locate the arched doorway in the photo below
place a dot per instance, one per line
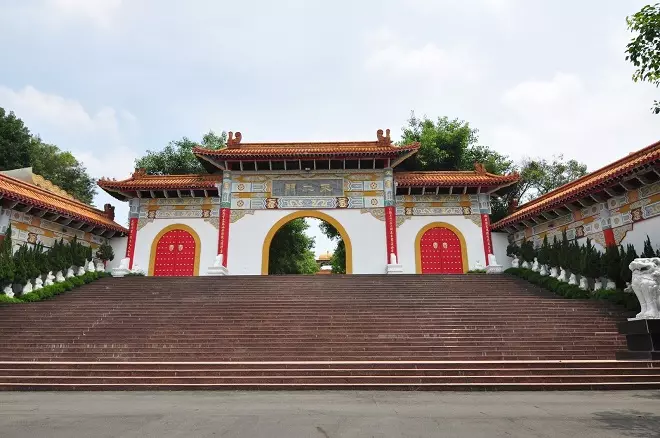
(265, 252)
(440, 249)
(175, 252)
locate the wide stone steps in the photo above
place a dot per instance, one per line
(376, 331)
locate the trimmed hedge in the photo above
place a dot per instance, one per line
(618, 297)
(58, 288)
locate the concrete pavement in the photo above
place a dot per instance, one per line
(330, 414)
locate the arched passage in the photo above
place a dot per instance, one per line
(265, 252)
(440, 249)
(175, 252)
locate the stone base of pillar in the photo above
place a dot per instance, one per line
(393, 268)
(494, 269)
(217, 270)
(122, 270)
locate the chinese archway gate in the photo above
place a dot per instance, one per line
(441, 253)
(175, 254)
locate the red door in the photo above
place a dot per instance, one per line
(175, 255)
(441, 253)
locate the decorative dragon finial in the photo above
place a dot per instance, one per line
(480, 168)
(109, 211)
(383, 139)
(139, 173)
(234, 141)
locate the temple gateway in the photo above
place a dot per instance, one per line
(391, 221)
(404, 222)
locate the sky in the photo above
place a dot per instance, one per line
(109, 79)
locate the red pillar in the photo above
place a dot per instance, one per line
(609, 237)
(485, 231)
(390, 232)
(223, 235)
(130, 244)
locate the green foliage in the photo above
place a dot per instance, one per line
(565, 290)
(527, 251)
(291, 250)
(648, 252)
(338, 260)
(554, 253)
(627, 257)
(105, 252)
(643, 51)
(20, 149)
(7, 266)
(513, 250)
(590, 263)
(76, 281)
(540, 176)
(6, 299)
(544, 251)
(177, 157)
(611, 265)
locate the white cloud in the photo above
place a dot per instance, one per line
(595, 121)
(101, 12)
(99, 140)
(392, 57)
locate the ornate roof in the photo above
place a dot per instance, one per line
(27, 175)
(30, 194)
(588, 184)
(235, 150)
(139, 180)
(477, 178)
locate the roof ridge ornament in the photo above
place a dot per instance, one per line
(480, 168)
(383, 139)
(234, 142)
(139, 172)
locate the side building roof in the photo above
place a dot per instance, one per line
(586, 185)
(16, 190)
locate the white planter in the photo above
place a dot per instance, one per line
(8, 291)
(525, 265)
(610, 285)
(553, 273)
(535, 265)
(27, 288)
(81, 271)
(69, 273)
(563, 275)
(543, 271)
(572, 280)
(49, 279)
(515, 263)
(598, 285)
(38, 284)
(59, 277)
(91, 267)
(100, 267)
(584, 283)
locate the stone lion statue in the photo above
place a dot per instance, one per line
(646, 284)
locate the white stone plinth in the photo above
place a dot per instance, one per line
(49, 279)
(584, 283)
(100, 267)
(394, 269)
(59, 277)
(69, 273)
(8, 291)
(515, 263)
(38, 284)
(27, 288)
(81, 271)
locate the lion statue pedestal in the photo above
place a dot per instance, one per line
(643, 331)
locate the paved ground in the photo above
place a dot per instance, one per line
(330, 414)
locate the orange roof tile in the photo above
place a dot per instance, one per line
(595, 181)
(17, 190)
(453, 178)
(141, 181)
(236, 150)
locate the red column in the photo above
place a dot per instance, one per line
(130, 244)
(485, 231)
(223, 235)
(609, 237)
(390, 232)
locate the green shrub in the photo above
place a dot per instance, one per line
(6, 299)
(33, 296)
(77, 281)
(67, 285)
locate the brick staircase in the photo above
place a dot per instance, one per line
(371, 331)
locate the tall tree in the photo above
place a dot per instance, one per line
(177, 157)
(291, 250)
(540, 176)
(18, 149)
(338, 260)
(644, 49)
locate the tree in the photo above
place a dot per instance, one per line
(648, 252)
(14, 142)
(62, 169)
(644, 49)
(627, 257)
(338, 260)
(291, 250)
(6, 260)
(540, 176)
(21, 149)
(555, 249)
(513, 250)
(544, 251)
(177, 157)
(612, 264)
(105, 253)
